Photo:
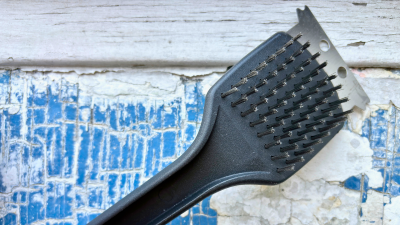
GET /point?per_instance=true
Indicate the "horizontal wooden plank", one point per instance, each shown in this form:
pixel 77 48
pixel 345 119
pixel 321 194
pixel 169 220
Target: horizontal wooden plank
pixel 200 33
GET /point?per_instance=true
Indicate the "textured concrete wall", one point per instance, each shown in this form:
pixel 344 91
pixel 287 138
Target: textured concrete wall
pixel 73 144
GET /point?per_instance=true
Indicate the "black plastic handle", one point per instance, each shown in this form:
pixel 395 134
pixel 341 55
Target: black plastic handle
pixel 171 197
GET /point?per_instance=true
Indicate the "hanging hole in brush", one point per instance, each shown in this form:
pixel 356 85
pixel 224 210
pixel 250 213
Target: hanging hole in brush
pixel 342 72
pixel 324 45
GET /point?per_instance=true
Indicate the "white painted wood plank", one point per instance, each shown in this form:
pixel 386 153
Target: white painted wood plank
pixel 201 33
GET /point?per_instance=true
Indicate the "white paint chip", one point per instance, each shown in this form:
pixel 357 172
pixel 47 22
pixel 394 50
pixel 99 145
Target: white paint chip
pixel 391 212
pixel 13 109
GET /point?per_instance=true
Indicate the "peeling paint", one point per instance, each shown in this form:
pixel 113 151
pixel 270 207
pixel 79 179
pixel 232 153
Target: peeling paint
pixel 355 179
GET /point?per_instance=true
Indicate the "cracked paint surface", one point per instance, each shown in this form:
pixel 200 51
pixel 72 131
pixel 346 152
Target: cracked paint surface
pixel 73 145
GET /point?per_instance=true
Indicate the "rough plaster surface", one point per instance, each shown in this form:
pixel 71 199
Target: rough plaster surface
pixel 126 125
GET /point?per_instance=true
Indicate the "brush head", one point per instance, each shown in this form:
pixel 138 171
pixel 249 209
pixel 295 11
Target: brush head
pixel 286 102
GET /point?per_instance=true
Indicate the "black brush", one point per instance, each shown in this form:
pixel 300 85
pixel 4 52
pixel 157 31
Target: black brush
pixel 263 120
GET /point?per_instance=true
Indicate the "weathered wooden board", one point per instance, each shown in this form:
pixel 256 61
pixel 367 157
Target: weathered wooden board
pixel 207 33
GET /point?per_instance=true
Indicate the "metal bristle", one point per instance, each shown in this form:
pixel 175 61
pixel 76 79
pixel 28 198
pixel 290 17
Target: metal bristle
pixel 338 120
pixel 340 101
pixel 307 117
pixel 239 101
pixel 269 94
pixel 290 114
pixel 241 82
pixel 270 112
pixel 299 88
pixel 269 131
pixel 343 113
pixel 316 123
pixel 318 103
pixel 305 145
pixel 332 108
pixel 257 122
pixel 272 75
pixel 285 135
pixel 324 96
pixel 309 111
pixel 262 101
pixel 281 156
pixel 302 100
pixel 293 127
pixel 287 96
pixel 307 130
pixel 251 91
pixel 295 160
pixel 252 74
pixel 231 91
pixel 277 124
pixel 311 92
pixel 332 89
pixel 328 114
pixel 285 169
pixel 274 143
pixel 251 110
pixel 328 127
pixel 277 105
pixel 332 77
pixel 320 135
pixel 304 151
pixel 302 138
pixel 289 148
pixel 293 108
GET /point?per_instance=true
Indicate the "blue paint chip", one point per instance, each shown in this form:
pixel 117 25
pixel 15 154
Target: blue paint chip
pixel 156 116
pixel 112 193
pixel 15 125
pixel 95 156
pixel 79 200
pixel 59 202
pixel 96 198
pixel 35 208
pixel 14 197
pixel 126 156
pixel 83 156
pixel 22 196
pixel 170 118
pixel 39 116
pixel 69 145
pixel 115 152
pixel 113 119
pixel 70 112
pixel 379 130
pixel 69 92
pixel 141 112
pixel 54 108
pixel 353 183
pixel 153 149
pixel 190 132
pixel 10 219
pixel 169 143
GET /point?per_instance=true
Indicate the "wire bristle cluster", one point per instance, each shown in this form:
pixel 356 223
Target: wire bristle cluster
pixel 300 118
